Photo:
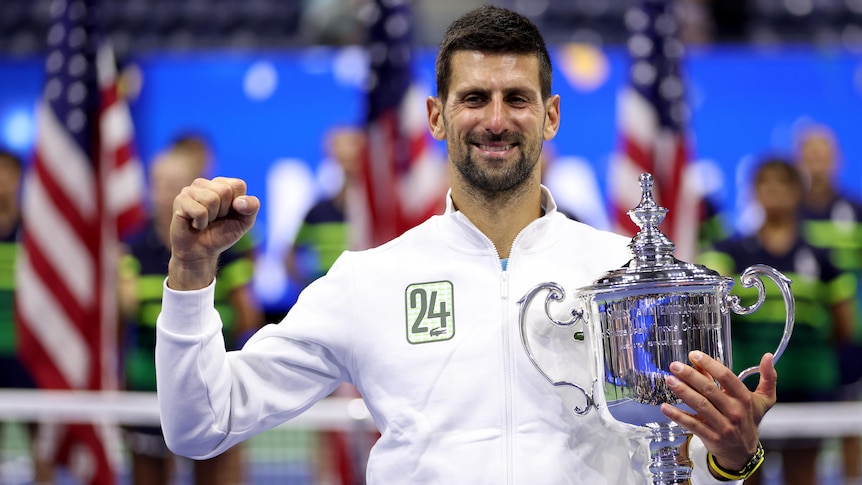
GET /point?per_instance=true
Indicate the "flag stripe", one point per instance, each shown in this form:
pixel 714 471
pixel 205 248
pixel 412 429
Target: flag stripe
pixel 381 180
pixel 38 360
pixel 39 270
pixel 116 125
pixel 637 117
pixel 124 201
pixel 64 248
pixel 46 184
pixel 125 192
pixel 403 182
pixel 61 340
pixel 60 155
pixel 651 119
pixel 85 184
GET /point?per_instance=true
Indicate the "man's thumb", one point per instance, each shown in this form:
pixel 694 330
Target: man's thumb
pixel 246 205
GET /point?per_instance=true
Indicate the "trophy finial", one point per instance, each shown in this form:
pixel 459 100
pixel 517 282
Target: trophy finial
pixel 650 246
pixel 646 180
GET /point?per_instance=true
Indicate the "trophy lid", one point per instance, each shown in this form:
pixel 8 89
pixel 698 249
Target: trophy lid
pixel 653 262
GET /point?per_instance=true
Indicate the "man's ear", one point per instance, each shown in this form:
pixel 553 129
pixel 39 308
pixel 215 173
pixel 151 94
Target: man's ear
pixel 435 118
pixel 552 117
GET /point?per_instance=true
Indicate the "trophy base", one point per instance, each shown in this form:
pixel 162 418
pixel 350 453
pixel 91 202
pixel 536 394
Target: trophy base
pixel 669 461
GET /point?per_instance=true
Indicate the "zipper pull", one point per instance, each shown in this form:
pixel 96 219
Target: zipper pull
pixel 504 285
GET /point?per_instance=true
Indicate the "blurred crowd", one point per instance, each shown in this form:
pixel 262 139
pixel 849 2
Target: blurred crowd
pixel 139 26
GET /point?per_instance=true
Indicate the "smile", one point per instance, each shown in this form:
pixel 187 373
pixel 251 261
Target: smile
pixel 495 148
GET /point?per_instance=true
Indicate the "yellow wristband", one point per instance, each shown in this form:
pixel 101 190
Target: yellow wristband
pixel 747 471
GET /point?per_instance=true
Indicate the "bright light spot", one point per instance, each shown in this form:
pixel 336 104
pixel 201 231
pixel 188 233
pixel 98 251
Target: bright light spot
pixel 800 8
pixel 584 66
pixel 270 279
pixel 397 25
pixel 261 81
pixel 586 203
pixel 330 177
pixel 643 73
pixel 19 130
pixel 351 66
pixel 640 45
pixel 531 8
pixel 708 175
pixel 290 191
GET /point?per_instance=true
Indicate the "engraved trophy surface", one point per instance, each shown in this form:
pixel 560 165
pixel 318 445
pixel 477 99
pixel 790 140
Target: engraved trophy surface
pixel 642 317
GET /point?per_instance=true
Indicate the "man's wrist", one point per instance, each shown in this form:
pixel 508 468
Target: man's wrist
pixel 191 275
pixel 745 472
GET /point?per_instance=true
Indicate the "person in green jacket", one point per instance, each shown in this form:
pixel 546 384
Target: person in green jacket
pixel 824 294
pixel 142 273
pixel 832 220
pixel 13 373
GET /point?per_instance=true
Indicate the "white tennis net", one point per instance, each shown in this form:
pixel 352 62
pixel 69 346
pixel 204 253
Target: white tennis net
pixel 288 454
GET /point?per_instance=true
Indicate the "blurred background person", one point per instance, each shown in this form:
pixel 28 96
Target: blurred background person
pixel 142 273
pixel 197 150
pixel 323 235
pixel 13 372
pixel 808 370
pixel 833 221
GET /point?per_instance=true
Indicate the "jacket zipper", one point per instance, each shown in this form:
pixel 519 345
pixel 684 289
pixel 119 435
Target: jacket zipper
pixel 508 358
pixel 507 376
pixel 508 362
pixel 508 432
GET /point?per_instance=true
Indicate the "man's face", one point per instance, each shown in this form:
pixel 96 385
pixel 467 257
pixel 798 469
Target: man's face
pixel 494 120
pixel 347 146
pixel 777 193
pixel 817 157
pixel 169 174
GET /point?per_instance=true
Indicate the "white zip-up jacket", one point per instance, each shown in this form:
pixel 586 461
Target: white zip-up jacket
pixel 426 326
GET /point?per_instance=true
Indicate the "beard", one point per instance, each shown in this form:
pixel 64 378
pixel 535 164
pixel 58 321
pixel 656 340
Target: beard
pixel 495 182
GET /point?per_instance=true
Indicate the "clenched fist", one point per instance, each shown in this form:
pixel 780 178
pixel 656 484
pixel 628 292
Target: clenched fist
pixel 209 217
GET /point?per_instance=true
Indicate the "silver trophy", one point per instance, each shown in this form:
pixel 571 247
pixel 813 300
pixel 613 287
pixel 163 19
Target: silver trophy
pixel 640 318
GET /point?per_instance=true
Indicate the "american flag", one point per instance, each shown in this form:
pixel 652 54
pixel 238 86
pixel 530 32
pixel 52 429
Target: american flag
pixel 652 118
pixel 404 180
pixel 84 186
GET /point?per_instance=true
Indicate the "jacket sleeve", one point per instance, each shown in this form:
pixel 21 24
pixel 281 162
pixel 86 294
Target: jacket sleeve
pixel 211 399
pixel 700 474
pixel 190 372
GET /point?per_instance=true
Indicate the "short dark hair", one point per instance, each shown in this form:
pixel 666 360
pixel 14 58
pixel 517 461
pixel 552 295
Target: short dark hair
pixel 7 157
pixel 495 30
pixel 778 164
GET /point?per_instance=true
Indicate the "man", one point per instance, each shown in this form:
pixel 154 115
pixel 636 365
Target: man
pixel 324 233
pixel 142 271
pixel 833 221
pixel 13 373
pixel 426 325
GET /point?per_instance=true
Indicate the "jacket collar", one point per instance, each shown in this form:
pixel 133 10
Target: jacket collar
pixel 460 233
pixel 547 202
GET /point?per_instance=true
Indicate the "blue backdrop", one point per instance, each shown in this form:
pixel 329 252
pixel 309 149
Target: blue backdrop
pixel 266 113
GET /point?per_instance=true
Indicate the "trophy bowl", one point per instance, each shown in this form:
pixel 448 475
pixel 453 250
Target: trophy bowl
pixel 642 317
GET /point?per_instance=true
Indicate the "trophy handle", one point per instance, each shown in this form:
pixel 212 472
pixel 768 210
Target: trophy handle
pixel 555 293
pixel 748 279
